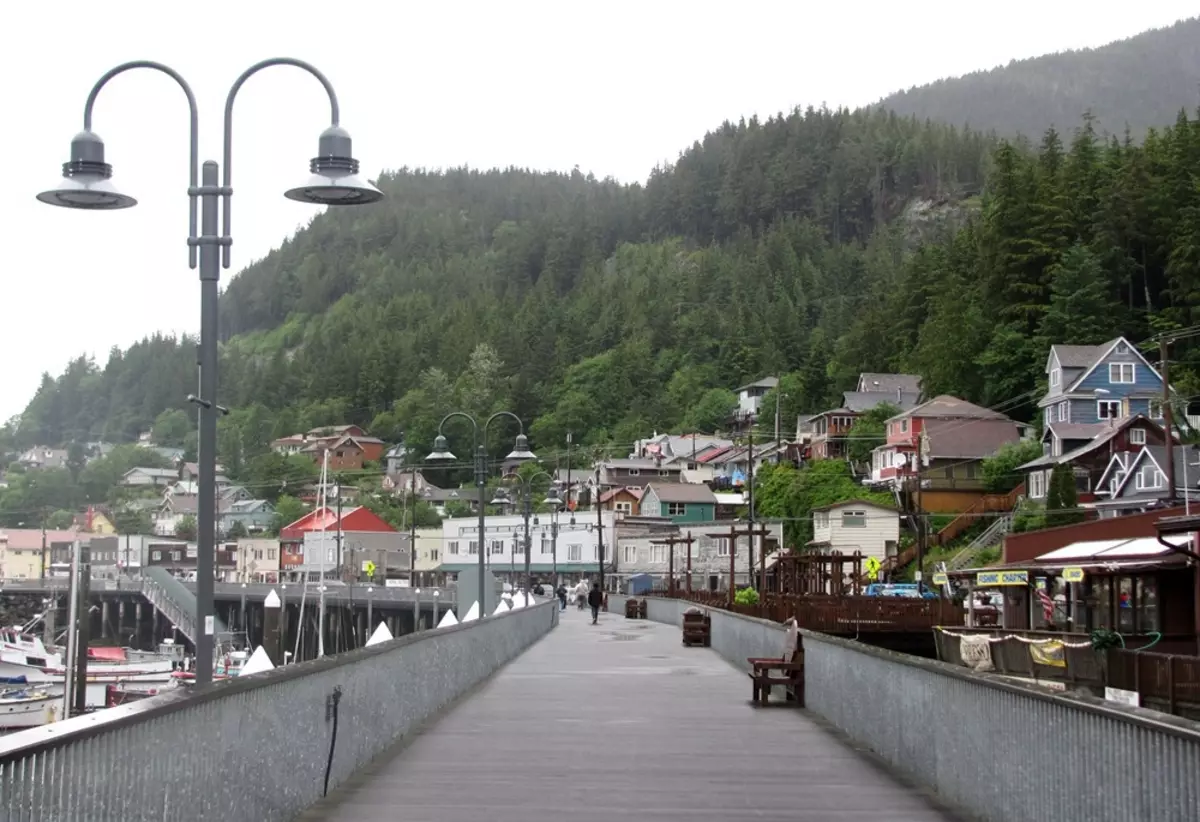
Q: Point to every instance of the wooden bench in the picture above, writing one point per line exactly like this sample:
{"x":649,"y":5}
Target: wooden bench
{"x":786,"y":670}
{"x":697,"y":629}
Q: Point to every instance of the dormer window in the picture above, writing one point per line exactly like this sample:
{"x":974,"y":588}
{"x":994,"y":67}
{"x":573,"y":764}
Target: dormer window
{"x":1122,"y":348}
{"x":1055,"y":377}
{"x":1122,"y":373}
{"x":1156,"y":411}
{"x":1137,"y":436}
{"x":1149,"y":478}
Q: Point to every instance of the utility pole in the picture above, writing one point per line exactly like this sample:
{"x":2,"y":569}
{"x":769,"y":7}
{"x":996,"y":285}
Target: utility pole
{"x":750,"y":486}
{"x":671,"y":542}
{"x":43,"y":577}
{"x":920,"y":515}
{"x":412,"y":517}
{"x":83,"y":590}
{"x":1168,"y":423}
{"x":778,"y":394}
{"x":599,"y":531}
{"x":528,"y":511}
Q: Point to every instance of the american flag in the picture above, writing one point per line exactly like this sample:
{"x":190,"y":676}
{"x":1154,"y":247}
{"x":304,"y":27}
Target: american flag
{"x":1047,"y":604}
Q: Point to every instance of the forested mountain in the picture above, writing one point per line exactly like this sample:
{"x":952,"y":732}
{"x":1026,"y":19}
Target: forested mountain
{"x":1137,"y":83}
{"x":814,"y":245}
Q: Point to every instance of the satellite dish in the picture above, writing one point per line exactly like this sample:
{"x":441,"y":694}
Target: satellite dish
{"x":901,"y":459}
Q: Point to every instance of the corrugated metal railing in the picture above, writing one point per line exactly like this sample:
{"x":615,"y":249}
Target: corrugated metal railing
{"x":999,"y":750}
{"x":253,"y":748}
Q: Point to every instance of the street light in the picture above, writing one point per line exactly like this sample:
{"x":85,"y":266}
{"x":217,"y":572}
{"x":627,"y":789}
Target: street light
{"x":86,"y":184}
{"x":520,"y":453}
{"x":525,"y":486}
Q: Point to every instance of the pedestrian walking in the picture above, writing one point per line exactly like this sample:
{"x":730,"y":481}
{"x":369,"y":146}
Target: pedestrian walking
{"x":595,"y":599}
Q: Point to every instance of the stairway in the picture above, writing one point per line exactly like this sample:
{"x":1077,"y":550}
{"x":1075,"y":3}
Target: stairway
{"x":992,"y":536}
{"x":173,"y":600}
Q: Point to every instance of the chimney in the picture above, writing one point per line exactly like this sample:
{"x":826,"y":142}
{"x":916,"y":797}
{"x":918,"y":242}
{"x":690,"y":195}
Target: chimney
{"x":899,"y":395}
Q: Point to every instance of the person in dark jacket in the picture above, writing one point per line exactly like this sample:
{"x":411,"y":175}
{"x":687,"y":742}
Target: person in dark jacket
{"x":595,"y":599}
{"x":561,"y":593}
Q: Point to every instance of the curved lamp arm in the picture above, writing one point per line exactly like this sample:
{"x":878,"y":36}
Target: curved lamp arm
{"x":227,"y":158}
{"x":194,"y":157}
{"x":510,"y":415}
{"x":460,"y":415}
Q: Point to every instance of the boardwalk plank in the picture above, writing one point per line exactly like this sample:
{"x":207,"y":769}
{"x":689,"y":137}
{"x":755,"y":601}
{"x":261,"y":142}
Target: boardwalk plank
{"x":598,"y":722}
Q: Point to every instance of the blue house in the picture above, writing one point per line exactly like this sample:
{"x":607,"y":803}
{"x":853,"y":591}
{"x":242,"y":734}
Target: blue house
{"x":1092,"y":387}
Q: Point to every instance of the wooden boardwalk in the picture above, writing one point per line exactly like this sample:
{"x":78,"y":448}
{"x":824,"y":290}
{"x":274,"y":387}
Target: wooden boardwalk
{"x":597,"y":723}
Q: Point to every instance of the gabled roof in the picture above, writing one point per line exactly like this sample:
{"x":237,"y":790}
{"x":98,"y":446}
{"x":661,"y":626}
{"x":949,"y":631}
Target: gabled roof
{"x":949,"y":407}
{"x":846,"y":503}
{"x":1077,"y":356}
{"x":1102,"y":438}
{"x":681,"y":492}
{"x":158,"y":473}
{"x":614,"y":492}
{"x":860,"y":401}
{"x":969,"y":439}
{"x":1079,"y":430}
{"x":890,"y":383}
{"x":765,"y":382}
{"x":1187,"y":473}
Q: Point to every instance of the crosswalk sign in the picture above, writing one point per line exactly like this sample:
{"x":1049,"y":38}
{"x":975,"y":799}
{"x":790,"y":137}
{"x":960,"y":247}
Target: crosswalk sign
{"x":369,"y":568}
{"x":873,"y":568}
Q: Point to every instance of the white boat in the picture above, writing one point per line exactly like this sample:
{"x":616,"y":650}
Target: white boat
{"x":21,"y":651}
{"x":26,"y":707}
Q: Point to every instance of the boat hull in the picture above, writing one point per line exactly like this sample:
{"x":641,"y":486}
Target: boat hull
{"x":30,"y":712}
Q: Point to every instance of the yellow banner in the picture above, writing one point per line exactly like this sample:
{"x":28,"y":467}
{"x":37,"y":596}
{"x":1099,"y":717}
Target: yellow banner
{"x":1048,"y":653}
{"x":993,"y":578}
{"x":940,"y":578}
{"x":1072,"y":574}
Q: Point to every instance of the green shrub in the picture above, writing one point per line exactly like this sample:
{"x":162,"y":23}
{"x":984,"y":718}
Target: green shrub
{"x":746,"y":596}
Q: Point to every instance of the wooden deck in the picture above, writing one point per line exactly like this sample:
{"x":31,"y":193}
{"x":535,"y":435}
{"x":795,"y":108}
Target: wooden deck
{"x":596,"y":723}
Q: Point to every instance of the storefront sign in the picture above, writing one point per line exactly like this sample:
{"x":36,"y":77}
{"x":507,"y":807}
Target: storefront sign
{"x":1051,"y":654}
{"x":989,"y":579}
{"x":1131,"y":698}
{"x":940,"y":578}
{"x":1072,"y":574}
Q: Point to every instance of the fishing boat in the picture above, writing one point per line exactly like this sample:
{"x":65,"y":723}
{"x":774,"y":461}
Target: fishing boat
{"x":22,"y":706}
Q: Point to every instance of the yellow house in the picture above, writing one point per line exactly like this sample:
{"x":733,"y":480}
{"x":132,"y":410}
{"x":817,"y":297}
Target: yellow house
{"x":21,"y":551}
{"x":97,"y":522}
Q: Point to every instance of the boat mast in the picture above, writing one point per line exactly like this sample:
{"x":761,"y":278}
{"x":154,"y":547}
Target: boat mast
{"x":72,"y":635}
{"x":324,"y":531}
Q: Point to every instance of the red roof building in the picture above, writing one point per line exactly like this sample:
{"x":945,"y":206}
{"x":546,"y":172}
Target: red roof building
{"x":358,"y":518}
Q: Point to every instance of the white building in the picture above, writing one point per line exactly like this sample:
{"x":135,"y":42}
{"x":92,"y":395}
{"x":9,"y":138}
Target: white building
{"x":639,"y":551}
{"x":574,"y":553}
{"x":750,"y":396}
{"x":856,"y":525}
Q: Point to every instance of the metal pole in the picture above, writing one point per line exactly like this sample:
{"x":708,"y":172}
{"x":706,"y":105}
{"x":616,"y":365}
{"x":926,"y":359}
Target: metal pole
{"x":778,"y":394}
{"x":210,"y":273}
{"x":750,"y":536}
{"x":43,"y":576}
{"x":85,"y":628}
{"x":481,"y":481}
{"x":1167,"y":418}
{"x":528,"y":539}
{"x":599,"y":531}
{"x":554,"y":546}
{"x":412,"y":527}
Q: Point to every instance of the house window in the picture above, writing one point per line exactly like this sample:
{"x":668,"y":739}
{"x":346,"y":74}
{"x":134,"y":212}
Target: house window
{"x":658,"y":553}
{"x":1064,"y":411}
{"x":821,"y":519}
{"x":722,"y":547}
{"x":433,"y":554}
{"x":1122,"y":373}
{"x":497,"y":546}
{"x":175,"y":556}
{"x":664,"y":473}
{"x":473,"y":547}
{"x":854,"y":519}
{"x":1108,"y":409}
{"x":624,"y":507}
{"x":1037,"y":485}
{"x":1137,"y":436}
{"x":574,"y":553}
{"x":1048,"y":414}
{"x":1057,"y":449}
{"x":630,"y":553}
{"x":1055,"y":378}
{"x":156,"y":555}
{"x":903,"y":426}
{"x":1156,"y":412}
{"x":635,"y":472}
{"x":518,"y":546}
{"x":676,"y":509}
{"x":546,"y":545}
{"x":1150,"y":477}
{"x":452,"y":548}
{"x":191,"y":551}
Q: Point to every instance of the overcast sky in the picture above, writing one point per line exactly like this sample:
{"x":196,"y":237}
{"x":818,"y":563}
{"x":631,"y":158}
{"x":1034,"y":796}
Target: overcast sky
{"x":612,"y":87}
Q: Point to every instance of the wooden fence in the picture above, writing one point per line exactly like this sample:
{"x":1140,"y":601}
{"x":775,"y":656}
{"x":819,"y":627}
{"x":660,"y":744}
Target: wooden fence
{"x":840,"y":615}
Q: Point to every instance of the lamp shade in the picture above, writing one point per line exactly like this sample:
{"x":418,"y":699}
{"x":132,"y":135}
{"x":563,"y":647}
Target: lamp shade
{"x":86,"y":182}
{"x":441,"y":451}
{"x":521,"y":450}
{"x":334,"y":179}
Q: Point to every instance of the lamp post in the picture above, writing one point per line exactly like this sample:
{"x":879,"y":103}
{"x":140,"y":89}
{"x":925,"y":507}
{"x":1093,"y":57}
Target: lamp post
{"x":86,"y":184}
{"x":441,"y":453}
{"x":552,"y":499}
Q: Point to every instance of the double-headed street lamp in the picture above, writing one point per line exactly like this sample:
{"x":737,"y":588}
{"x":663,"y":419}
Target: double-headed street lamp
{"x":552,"y":499}
{"x":86,"y":184}
{"x":520,"y":453}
